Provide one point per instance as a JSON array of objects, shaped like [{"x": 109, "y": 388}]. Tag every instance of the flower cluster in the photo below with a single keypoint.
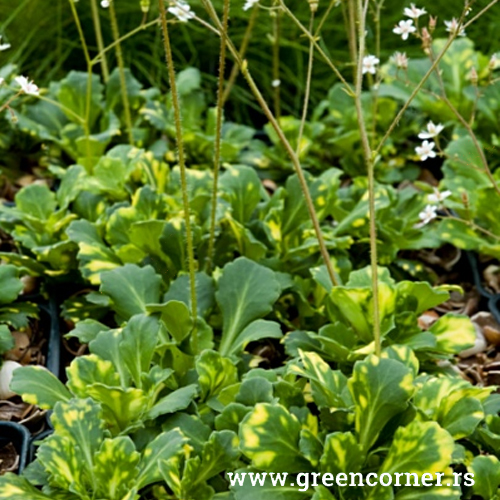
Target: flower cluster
[
  {"x": 405, "y": 27},
  {"x": 426, "y": 150}
]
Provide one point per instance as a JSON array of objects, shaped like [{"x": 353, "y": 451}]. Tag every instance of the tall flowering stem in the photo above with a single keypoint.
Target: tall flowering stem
[
  {"x": 243, "y": 65},
  {"x": 361, "y": 11},
  {"x": 88, "y": 104},
  {"x": 276, "y": 62},
  {"x": 307, "y": 91},
  {"x": 182, "y": 166},
  {"x": 121, "y": 70},
  {"x": 242, "y": 52},
  {"x": 99, "y": 39},
  {"x": 218, "y": 132}
]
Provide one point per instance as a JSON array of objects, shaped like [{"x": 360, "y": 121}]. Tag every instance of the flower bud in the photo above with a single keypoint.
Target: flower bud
[
  {"x": 426, "y": 40},
  {"x": 474, "y": 78},
  {"x": 313, "y": 5},
  {"x": 493, "y": 62},
  {"x": 145, "y": 4},
  {"x": 432, "y": 24}
]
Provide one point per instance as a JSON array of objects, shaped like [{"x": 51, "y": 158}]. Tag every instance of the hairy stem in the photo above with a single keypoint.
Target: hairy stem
[
  {"x": 242, "y": 52},
  {"x": 99, "y": 39},
  {"x": 276, "y": 64},
  {"x": 140, "y": 28},
  {"x": 182, "y": 166},
  {"x": 369, "y": 160},
  {"x": 218, "y": 133},
  {"x": 308, "y": 87},
  {"x": 243, "y": 64},
  {"x": 467, "y": 126},
  {"x": 121, "y": 70},
  {"x": 86, "y": 125}
]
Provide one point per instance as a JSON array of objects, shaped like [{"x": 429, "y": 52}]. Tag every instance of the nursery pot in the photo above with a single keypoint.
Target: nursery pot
[{"x": 19, "y": 436}]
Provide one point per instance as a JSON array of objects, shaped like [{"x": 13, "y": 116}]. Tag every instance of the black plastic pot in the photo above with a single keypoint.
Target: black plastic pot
[
  {"x": 50, "y": 321},
  {"x": 20, "y": 437},
  {"x": 493, "y": 298}
]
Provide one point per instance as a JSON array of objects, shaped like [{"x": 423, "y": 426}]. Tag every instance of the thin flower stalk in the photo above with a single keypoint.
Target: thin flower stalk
[
  {"x": 182, "y": 166},
  {"x": 467, "y": 126},
  {"x": 276, "y": 62},
  {"x": 99, "y": 39},
  {"x": 86, "y": 125},
  {"x": 218, "y": 133},
  {"x": 307, "y": 91},
  {"x": 243, "y": 64},
  {"x": 121, "y": 71},
  {"x": 361, "y": 11},
  {"x": 242, "y": 52}
]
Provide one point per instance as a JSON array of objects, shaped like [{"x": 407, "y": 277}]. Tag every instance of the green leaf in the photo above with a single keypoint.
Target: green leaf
[
  {"x": 139, "y": 340},
  {"x": 116, "y": 467},
  {"x": 419, "y": 447},
  {"x": 163, "y": 447},
  {"x": 241, "y": 186},
  {"x": 215, "y": 373},
  {"x": 122, "y": 407},
  {"x": 13, "y": 487},
  {"x": 87, "y": 370},
  {"x": 10, "y": 284},
  {"x": 380, "y": 389},
  {"x": 173, "y": 402},
  {"x": 6, "y": 339},
  {"x": 258, "y": 329},
  {"x": 87, "y": 330},
  {"x": 176, "y": 317},
  {"x": 80, "y": 420},
  {"x": 63, "y": 460},
  {"x": 205, "y": 292},
  {"x": 246, "y": 292},
  {"x": 342, "y": 454},
  {"x": 131, "y": 288},
  {"x": 454, "y": 333},
  {"x": 94, "y": 255},
  {"x": 486, "y": 470},
  {"x": 38, "y": 386},
  {"x": 255, "y": 390},
  {"x": 269, "y": 436},
  {"x": 37, "y": 201},
  {"x": 329, "y": 388}
]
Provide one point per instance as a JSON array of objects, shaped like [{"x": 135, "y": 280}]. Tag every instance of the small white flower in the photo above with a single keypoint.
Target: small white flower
[
  {"x": 249, "y": 4},
  {"x": 438, "y": 196},
  {"x": 453, "y": 27},
  {"x": 493, "y": 62},
  {"x": 400, "y": 60},
  {"x": 26, "y": 86},
  {"x": 432, "y": 131},
  {"x": 426, "y": 150},
  {"x": 414, "y": 12},
  {"x": 1, "y": 80},
  {"x": 369, "y": 63},
  {"x": 427, "y": 214},
  {"x": 276, "y": 83},
  {"x": 105, "y": 4},
  {"x": 404, "y": 29},
  {"x": 4, "y": 46},
  {"x": 182, "y": 11}
]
